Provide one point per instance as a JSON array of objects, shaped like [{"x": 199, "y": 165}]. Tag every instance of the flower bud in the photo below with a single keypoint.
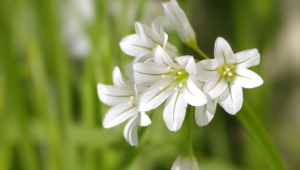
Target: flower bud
[
  {"x": 179, "y": 21},
  {"x": 185, "y": 163}
]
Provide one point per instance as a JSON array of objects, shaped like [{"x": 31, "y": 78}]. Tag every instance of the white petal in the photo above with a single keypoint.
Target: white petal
[
  {"x": 118, "y": 114},
  {"x": 185, "y": 163},
  {"x": 205, "y": 68},
  {"x": 215, "y": 85},
  {"x": 158, "y": 28},
  {"x": 148, "y": 73},
  {"x": 175, "y": 110},
  {"x": 247, "y": 78},
  {"x": 193, "y": 95},
  {"x": 183, "y": 60},
  {"x": 171, "y": 50},
  {"x": 132, "y": 45},
  {"x": 144, "y": 119},
  {"x": 112, "y": 95},
  {"x": 231, "y": 99},
  {"x": 118, "y": 79},
  {"x": 147, "y": 35},
  {"x": 191, "y": 66},
  {"x": 143, "y": 58},
  {"x": 204, "y": 114},
  {"x": 162, "y": 59},
  {"x": 130, "y": 131},
  {"x": 223, "y": 51},
  {"x": 154, "y": 96},
  {"x": 248, "y": 58}
]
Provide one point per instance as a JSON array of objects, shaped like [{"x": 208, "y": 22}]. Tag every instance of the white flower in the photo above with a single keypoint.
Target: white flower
[
  {"x": 185, "y": 163},
  {"x": 141, "y": 44},
  {"x": 169, "y": 81},
  {"x": 227, "y": 74},
  {"x": 179, "y": 21},
  {"x": 122, "y": 96}
]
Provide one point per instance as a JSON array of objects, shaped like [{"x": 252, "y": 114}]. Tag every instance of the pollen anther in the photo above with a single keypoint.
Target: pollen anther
[
  {"x": 179, "y": 72},
  {"x": 229, "y": 74},
  {"x": 180, "y": 85}
]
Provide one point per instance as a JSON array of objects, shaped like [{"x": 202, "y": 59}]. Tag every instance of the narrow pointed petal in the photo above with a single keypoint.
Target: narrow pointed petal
[
  {"x": 205, "y": 68},
  {"x": 130, "y": 131},
  {"x": 119, "y": 80},
  {"x": 185, "y": 163},
  {"x": 247, "y": 78},
  {"x": 148, "y": 73},
  {"x": 215, "y": 86},
  {"x": 223, "y": 51},
  {"x": 132, "y": 45},
  {"x": 162, "y": 59},
  {"x": 183, "y": 60},
  {"x": 232, "y": 99},
  {"x": 248, "y": 58},
  {"x": 111, "y": 95},
  {"x": 118, "y": 114},
  {"x": 147, "y": 35},
  {"x": 144, "y": 119},
  {"x": 191, "y": 66},
  {"x": 158, "y": 27},
  {"x": 155, "y": 95},
  {"x": 204, "y": 114},
  {"x": 193, "y": 95},
  {"x": 175, "y": 110}
]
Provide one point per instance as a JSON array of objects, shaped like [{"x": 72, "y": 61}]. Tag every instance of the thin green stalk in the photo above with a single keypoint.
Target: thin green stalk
[
  {"x": 188, "y": 149},
  {"x": 259, "y": 135},
  {"x": 193, "y": 44}
]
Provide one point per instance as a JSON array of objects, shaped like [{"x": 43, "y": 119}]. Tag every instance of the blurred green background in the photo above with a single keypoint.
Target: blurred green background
[{"x": 53, "y": 53}]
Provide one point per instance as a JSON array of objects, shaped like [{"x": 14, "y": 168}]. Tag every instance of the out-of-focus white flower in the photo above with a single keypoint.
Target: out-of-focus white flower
[
  {"x": 185, "y": 163},
  {"x": 77, "y": 14},
  {"x": 141, "y": 44},
  {"x": 225, "y": 75},
  {"x": 179, "y": 21},
  {"x": 123, "y": 97},
  {"x": 171, "y": 81}
]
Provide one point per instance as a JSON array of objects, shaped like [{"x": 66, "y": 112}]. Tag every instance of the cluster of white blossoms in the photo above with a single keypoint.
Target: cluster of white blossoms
[{"x": 159, "y": 74}]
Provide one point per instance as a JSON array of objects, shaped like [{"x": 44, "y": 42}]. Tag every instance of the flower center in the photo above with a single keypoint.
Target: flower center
[
  {"x": 179, "y": 76},
  {"x": 227, "y": 71},
  {"x": 132, "y": 101}
]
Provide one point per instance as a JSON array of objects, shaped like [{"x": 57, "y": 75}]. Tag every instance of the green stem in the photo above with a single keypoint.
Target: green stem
[
  {"x": 188, "y": 150},
  {"x": 193, "y": 44},
  {"x": 259, "y": 135}
]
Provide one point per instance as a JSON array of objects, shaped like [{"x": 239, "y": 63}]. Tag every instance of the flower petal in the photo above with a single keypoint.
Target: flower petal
[
  {"x": 148, "y": 73},
  {"x": 175, "y": 110},
  {"x": 143, "y": 58},
  {"x": 130, "y": 131},
  {"x": 248, "y": 58},
  {"x": 112, "y": 95},
  {"x": 183, "y": 60},
  {"x": 215, "y": 85},
  {"x": 158, "y": 28},
  {"x": 144, "y": 119},
  {"x": 156, "y": 94},
  {"x": 162, "y": 59},
  {"x": 205, "y": 68},
  {"x": 204, "y": 114},
  {"x": 231, "y": 99},
  {"x": 118, "y": 114},
  {"x": 171, "y": 50},
  {"x": 132, "y": 45},
  {"x": 119, "y": 80},
  {"x": 147, "y": 35},
  {"x": 223, "y": 51},
  {"x": 191, "y": 66},
  {"x": 247, "y": 78},
  {"x": 193, "y": 95}
]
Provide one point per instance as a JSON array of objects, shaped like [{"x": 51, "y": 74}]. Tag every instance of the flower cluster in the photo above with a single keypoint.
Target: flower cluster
[{"x": 159, "y": 74}]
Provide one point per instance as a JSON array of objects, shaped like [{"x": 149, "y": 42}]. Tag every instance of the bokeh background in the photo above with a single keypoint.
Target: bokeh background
[{"x": 53, "y": 53}]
